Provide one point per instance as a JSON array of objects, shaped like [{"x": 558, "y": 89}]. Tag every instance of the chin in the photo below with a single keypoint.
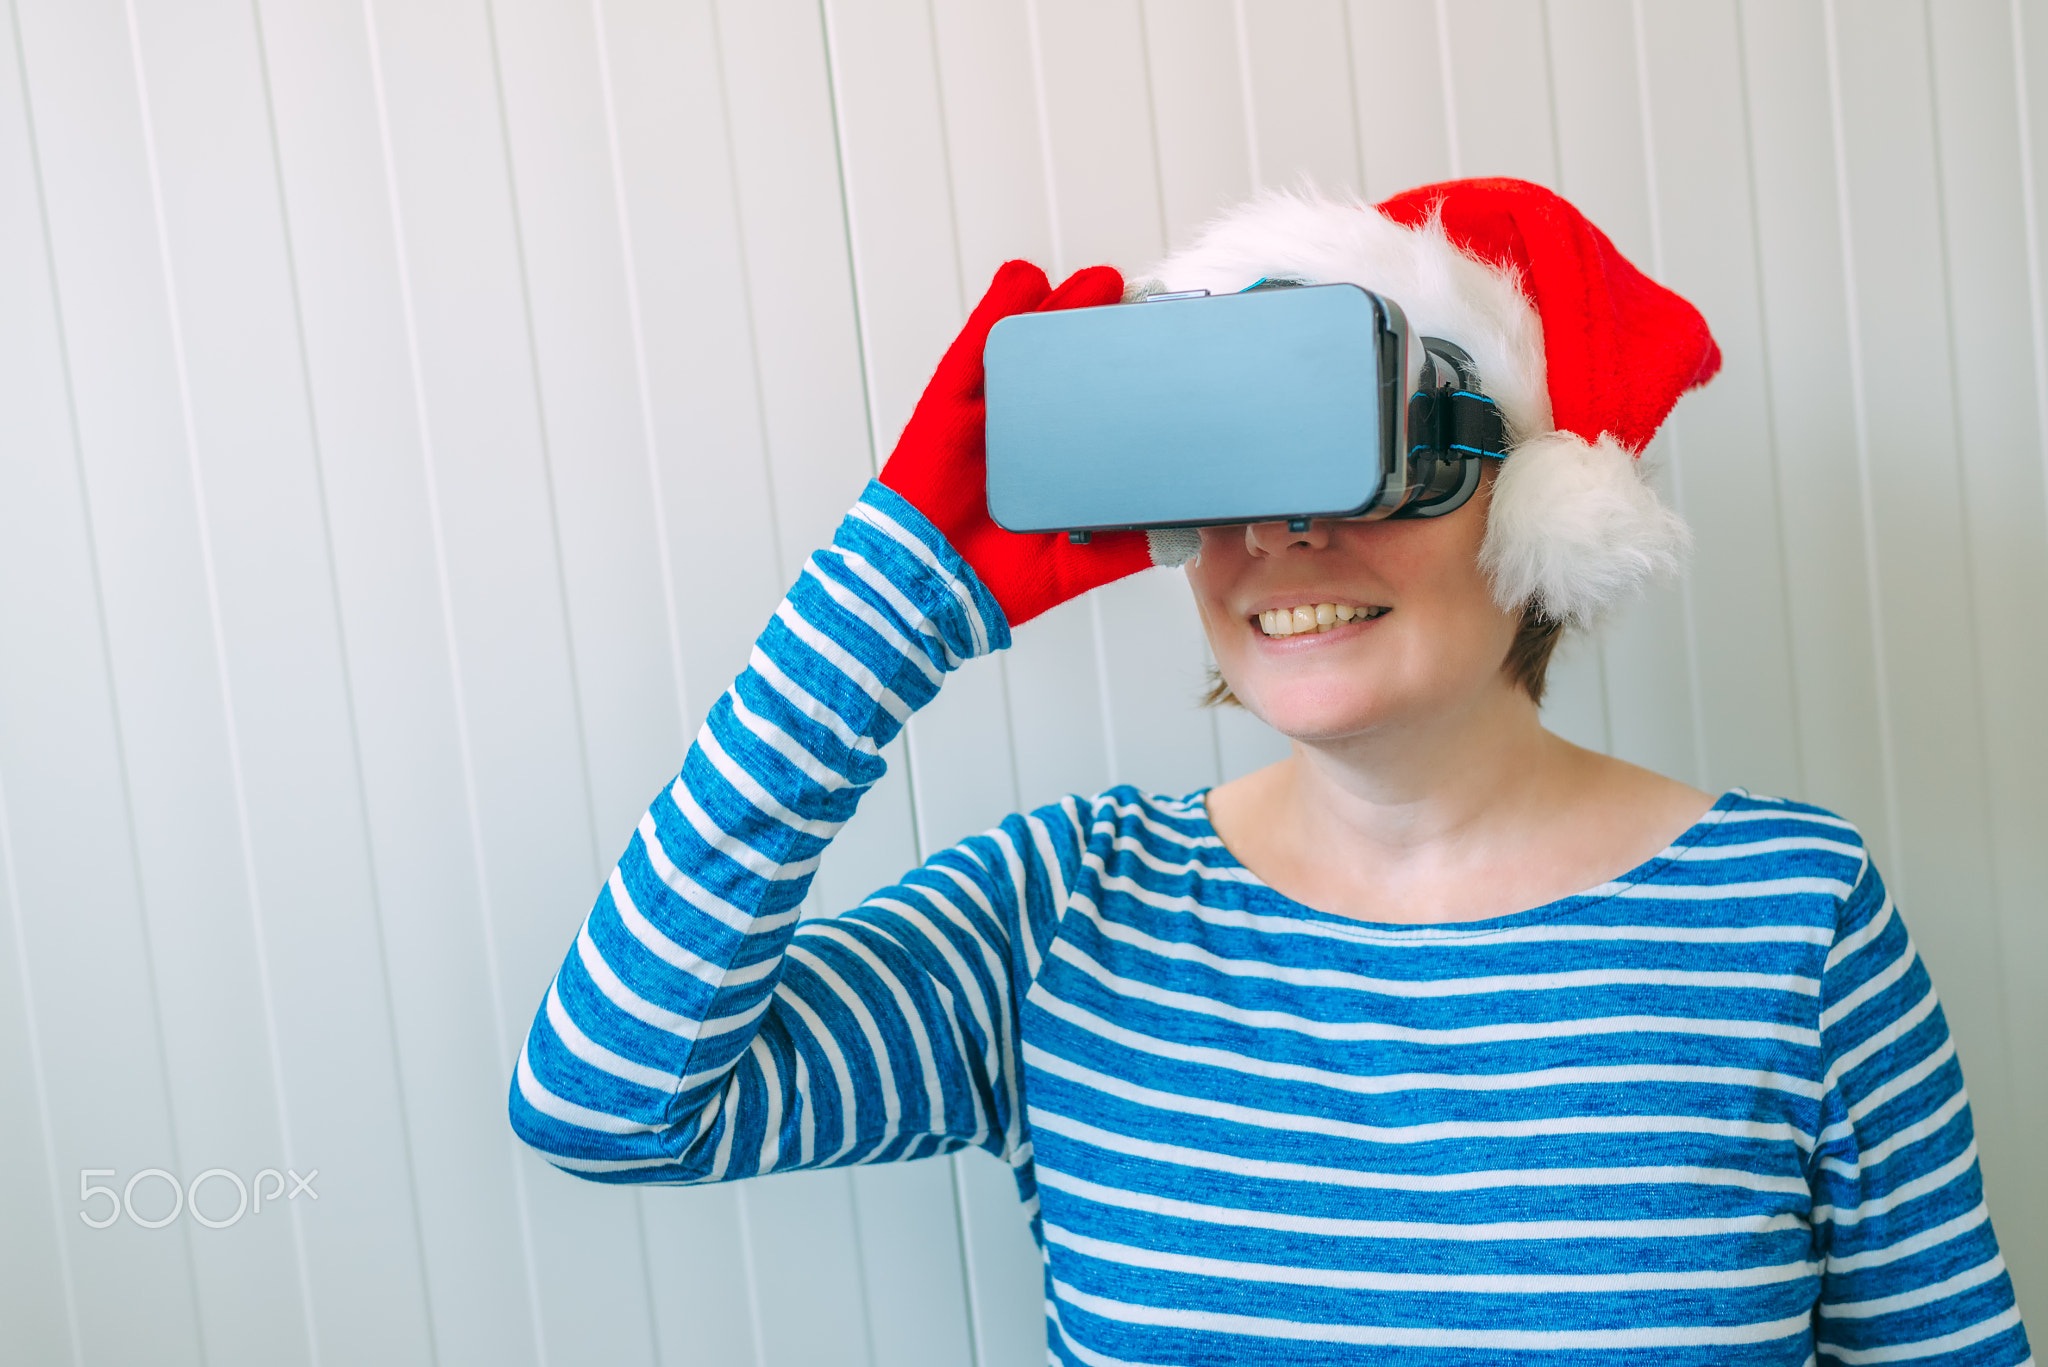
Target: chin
[
  {"x": 1331, "y": 690},
  {"x": 1320, "y": 708}
]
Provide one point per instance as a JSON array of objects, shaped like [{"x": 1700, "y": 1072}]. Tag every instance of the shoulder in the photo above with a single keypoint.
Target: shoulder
[
  {"x": 1115, "y": 822},
  {"x": 1155, "y": 818},
  {"x": 1743, "y": 817},
  {"x": 1778, "y": 848},
  {"x": 1068, "y": 825},
  {"x": 1122, "y": 835},
  {"x": 1778, "y": 832}
]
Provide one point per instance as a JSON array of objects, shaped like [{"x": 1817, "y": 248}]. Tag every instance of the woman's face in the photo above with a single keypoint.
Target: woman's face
[{"x": 1424, "y": 636}]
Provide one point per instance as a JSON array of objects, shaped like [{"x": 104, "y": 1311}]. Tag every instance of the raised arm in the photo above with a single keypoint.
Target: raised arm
[
  {"x": 694, "y": 1031},
  {"x": 685, "y": 1027},
  {"x": 1910, "y": 1267}
]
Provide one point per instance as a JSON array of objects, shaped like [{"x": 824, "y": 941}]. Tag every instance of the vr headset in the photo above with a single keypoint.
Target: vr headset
[{"x": 1283, "y": 402}]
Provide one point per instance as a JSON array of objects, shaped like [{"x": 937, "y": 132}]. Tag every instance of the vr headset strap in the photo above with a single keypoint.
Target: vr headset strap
[
  {"x": 1473, "y": 425},
  {"x": 1462, "y": 424}
]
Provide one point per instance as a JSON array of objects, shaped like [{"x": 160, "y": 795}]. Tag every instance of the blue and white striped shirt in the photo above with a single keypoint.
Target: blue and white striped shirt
[{"x": 1709, "y": 1111}]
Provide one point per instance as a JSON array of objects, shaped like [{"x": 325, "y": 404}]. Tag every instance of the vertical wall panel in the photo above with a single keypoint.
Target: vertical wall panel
[
  {"x": 1058, "y": 724},
  {"x": 36, "y": 1284},
  {"x": 315, "y": 925},
  {"x": 1199, "y": 92},
  {"x": 1575, "y": 703},
  {"x": 360, "y": 350},
  {"x": 804, "y": 1236},
  {"x": 36, "y": 1297},
  {"x": 785, "y": 161},
  {"x": 1153, "y": 655},
  {"x": 2004, "y": 514},
  {"x": 894, "y": 167},
  {"x": 706, "y": 1307},
  {"x": 703, "y": 392},
  {"x": 1003, "y": 1266},
  {"x": 1501, "y": 88},
  {"x": 83, "y": 945},
  {"x": 1941, "y": 871},
  {"x": 624, "y": 623},
  {"x": 1814, "y": 425},
  {"x": 1403, "y": 105},
  {"x": 163, "y": 627},
  {"x": 898, "y": 188},
  {"x": 499, "y": 530},
  {"x": 994, "y": 136},
  {"x": 1998, "y": 358},
  {"x": 1720, "y": 440},
  {"x": 1602, "y": 160},
  {"x": 596, "y": 397},
  {"x": 913, "y": 1280},
  {"x": 1297, "y": 74},
  {"x": 1102, "y": 156}
]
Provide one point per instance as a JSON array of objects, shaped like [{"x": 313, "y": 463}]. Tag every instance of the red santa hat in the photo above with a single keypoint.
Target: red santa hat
[{"x": 1584, "y": 354}]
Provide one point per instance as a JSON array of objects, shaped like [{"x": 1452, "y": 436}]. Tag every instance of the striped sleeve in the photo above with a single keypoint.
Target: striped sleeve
[
  {"x": 1911, "y": 1269},
  {"x": 694, "y": 1032}
]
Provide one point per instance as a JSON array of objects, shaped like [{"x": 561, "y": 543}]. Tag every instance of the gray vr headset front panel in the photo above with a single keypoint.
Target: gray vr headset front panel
[{"x": 1191, "y": 412}]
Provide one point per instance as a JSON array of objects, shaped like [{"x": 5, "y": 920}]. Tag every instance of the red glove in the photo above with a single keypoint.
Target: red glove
[{"x": 940, "y": 464}]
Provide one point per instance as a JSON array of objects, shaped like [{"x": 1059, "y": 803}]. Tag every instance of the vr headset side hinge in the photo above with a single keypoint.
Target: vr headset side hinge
[
  {"x": 1458, "y": 421},
  {"x": 1470, "y": 425},
  {"x": 1452, "y": 426}
]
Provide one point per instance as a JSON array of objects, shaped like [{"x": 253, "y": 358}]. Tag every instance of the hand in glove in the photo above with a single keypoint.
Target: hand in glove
[{"x": 940, "y": 464}]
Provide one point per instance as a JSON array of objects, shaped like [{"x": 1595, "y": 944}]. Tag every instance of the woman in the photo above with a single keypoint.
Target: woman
[{"x": 1442, "y": 1040}]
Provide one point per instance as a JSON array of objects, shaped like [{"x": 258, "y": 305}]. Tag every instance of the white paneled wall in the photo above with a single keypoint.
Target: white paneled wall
[{"x": 410, "y": 411}]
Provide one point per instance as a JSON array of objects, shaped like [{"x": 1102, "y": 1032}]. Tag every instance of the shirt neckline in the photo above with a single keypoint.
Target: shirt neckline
[{"x": 1647, "y": 871}]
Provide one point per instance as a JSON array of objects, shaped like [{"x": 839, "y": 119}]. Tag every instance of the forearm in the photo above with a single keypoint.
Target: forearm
[{"x": 663, "y": 995}]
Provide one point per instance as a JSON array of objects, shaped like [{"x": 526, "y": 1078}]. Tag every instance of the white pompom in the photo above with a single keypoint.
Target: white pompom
[{"x": 1575, "y": 528}]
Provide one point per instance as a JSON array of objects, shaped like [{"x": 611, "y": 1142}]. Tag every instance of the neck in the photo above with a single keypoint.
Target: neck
[
  {"x": 1400, "y": 788},
  {"x": 1474, "y": 810}
]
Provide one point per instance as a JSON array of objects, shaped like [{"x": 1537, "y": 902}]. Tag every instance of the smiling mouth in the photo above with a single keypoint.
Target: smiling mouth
[{"x": 1312, "y": 618}]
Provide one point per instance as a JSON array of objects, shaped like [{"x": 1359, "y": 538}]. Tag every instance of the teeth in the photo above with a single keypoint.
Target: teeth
[{"x": 1313, "y": 617}]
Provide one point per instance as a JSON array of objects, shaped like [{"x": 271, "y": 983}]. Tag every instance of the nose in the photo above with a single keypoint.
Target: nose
[{"x": 1271, "y": 538}]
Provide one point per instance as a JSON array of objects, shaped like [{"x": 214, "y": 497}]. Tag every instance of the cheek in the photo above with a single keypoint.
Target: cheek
[
  {"x": 1437, "y": 556},
  {"x": 1451, "y": 634},
  {"x": 1457, "y": 636},
  {"x": 1214, "y": 576}
]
